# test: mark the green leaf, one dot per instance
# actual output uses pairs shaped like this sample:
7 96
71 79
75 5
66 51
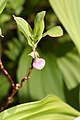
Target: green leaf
38 26
25 28
2 5
1 33
4 83
68 12
46 81
50 108
54 32
70 66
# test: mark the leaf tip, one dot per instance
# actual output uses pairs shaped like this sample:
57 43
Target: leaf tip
61 30
14 17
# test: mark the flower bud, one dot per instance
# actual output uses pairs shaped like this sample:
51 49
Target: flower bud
39 63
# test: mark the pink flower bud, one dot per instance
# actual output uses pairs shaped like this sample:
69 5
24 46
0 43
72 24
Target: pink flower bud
39 63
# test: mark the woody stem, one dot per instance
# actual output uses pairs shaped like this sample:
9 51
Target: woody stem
7 74
17 87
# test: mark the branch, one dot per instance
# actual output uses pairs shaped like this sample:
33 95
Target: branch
7 74
17 87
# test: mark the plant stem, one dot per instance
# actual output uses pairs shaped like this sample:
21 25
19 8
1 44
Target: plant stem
7 74
17 86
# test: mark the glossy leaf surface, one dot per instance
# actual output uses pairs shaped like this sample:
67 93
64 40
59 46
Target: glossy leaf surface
38 26
54 32
50 108
68 12
25 28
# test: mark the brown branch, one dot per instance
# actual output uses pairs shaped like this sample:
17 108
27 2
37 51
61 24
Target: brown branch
7 74
27 77
17 87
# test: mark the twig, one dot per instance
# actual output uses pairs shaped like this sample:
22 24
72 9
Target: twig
17 87
7 74
27 77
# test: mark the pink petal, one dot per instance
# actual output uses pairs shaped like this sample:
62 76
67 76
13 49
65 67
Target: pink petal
39 63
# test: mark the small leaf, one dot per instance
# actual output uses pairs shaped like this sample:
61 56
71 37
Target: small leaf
1 33
25 28
54 32
49 108
31 54
2 5
38 26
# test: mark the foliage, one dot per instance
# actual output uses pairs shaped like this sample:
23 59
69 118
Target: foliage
69 17
50 108
35 35
60 75
2 5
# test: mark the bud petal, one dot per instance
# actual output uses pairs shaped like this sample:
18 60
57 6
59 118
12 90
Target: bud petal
39 63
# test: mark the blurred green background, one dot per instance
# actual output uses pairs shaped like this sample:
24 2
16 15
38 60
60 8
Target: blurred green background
61 75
